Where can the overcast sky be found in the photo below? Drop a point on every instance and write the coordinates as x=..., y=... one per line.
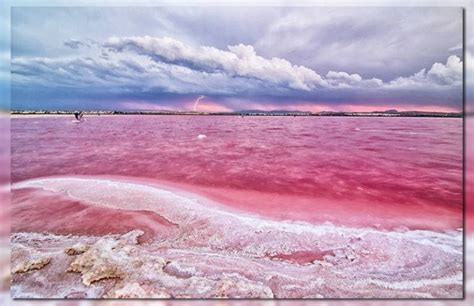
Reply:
x=237, y=58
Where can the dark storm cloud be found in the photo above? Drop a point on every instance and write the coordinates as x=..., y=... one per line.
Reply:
x=316, y=55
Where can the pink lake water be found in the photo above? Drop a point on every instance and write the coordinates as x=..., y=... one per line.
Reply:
x=384, y=172
x=290, y=206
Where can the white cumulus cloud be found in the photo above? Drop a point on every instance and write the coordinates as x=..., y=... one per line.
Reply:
x=449, y=74
x=239, y=60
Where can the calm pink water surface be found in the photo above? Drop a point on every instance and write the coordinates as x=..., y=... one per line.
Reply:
x=382, y=172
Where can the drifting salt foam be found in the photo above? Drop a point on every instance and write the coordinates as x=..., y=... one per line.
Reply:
x=123, y=195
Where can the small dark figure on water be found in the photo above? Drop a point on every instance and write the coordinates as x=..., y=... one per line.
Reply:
x=78, y=115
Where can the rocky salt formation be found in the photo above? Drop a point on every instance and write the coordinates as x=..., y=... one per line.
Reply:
x=215, y=253
x=116, y=266
x=32, y=264
x=76, y=249
x=104, y=258
x=26, y=260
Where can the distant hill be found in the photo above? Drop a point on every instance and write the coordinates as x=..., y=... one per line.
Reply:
x=280, y=111
x=389, y=111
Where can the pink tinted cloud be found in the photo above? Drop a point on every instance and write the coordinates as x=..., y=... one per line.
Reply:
x=182, y=105
x=207, y=105
x=148, y=106
x=349, y=107
x=424, y=108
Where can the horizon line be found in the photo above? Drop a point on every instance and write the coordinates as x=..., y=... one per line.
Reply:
x=282, y=113
x=388, y=111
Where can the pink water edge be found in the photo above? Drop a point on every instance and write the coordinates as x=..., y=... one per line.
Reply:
x=374, y=198
x=382, y=172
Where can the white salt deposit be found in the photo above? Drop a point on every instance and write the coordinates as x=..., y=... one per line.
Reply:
x=219, y=252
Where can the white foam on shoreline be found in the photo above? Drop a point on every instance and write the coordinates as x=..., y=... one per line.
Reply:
x=101, y=192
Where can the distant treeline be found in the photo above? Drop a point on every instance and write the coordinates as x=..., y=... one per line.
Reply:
x=390, y=113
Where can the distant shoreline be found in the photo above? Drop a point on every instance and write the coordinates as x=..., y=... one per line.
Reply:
x=252, y=113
